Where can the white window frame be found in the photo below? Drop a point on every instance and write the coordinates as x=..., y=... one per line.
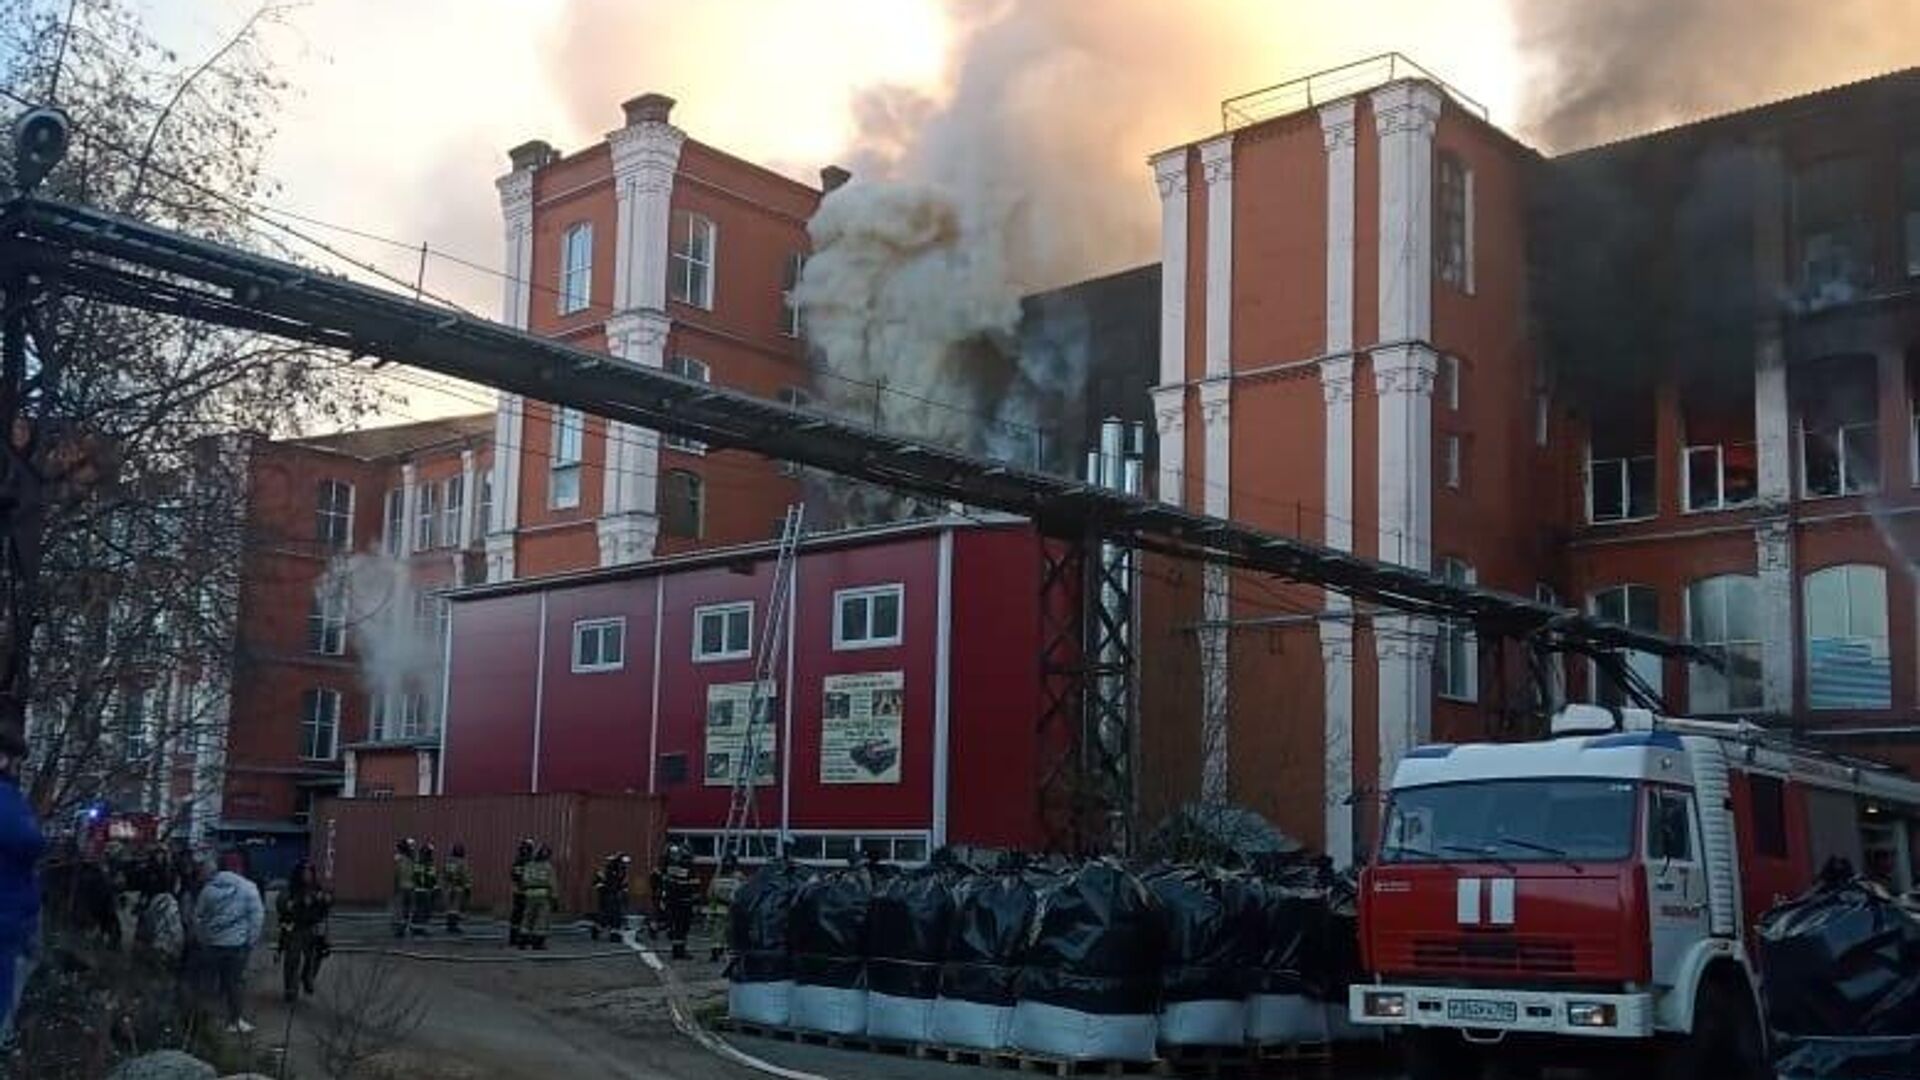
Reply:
x=393, y=530
x=1719, y=500
x=326, y=708
x=1450, y=372
x=483, y=505
x=683, y=262
x=599, y=627
x=1453, y=454
x=1699, y=675
x=867, y=594
x=576, y=267
x=1626, y=488
x=329, y=611
x=1456, y=631
x=416, y=719
x=699, y=371
x=1652, y=668
x=569, y=442
x=722, y=611
x=1441, y=161
x=1841, y=432
x=789, y=304
x=325, y=500
x=426, y=517
x=453, y=504
x=1885, y=641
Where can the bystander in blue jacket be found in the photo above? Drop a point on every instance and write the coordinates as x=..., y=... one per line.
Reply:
x=21, y=845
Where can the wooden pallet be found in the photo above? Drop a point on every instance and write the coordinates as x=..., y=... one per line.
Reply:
x=1026, y=1061
x=809, y=1037
x=1305, y=1053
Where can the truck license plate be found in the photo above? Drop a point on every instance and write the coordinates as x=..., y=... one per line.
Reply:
x=1475, y=1010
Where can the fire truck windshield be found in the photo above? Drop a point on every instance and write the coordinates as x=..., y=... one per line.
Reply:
x=1534, y=820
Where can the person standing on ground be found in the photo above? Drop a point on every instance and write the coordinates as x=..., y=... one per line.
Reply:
x=227, y=920
x=304, y=908
x=459, y=886
x=610, y=890
x=720, y=902
x=537, y=878
x=402, y=886
x=21, y=845
x=517, y=925
x=426, y=882
x=681, y=889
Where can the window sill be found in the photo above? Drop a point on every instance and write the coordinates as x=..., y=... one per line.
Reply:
x=722, y=658
x=1622, y=521
x=1811, y=496
x=1721, y=509
x=1469, y=699
x=691, y=449
x=871, y=643
x=597, y=669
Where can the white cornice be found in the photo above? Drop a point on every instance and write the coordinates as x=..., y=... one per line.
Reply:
x=1216, y=159
x=1406, y=107
x=646, y=154
x=516, y=196
x=1337, y=124
x=1170, y=172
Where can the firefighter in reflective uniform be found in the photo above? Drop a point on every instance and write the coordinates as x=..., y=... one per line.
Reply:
x=680, y=895
x=720, y=903
x=610, y=892
x=537, y=878
x=426, y=881
x=402, y=886
x=459, y=882
x=517, y=924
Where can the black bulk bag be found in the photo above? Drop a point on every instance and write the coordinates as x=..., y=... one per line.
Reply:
x=1842, y=970
x=827, y=929
x=1212, y=932
x=1096, y=944
x=757, y=922
x=986, y=934
x=908, y=923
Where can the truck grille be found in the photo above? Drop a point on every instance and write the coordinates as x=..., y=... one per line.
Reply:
x=1493, y=955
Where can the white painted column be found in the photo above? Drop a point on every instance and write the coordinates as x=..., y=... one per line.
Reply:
x=1773, y=436
x=1170, y=176
x=410, y=508
x=350, y=773
x=1336, y=390
x=1404, y=365
x=516, y=209
x=1216, y=163
x=1773, y=558
x=423, y=772
x=646, y=154
x=1216, y=390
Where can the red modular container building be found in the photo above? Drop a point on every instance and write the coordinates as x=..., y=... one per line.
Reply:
x=904, y=709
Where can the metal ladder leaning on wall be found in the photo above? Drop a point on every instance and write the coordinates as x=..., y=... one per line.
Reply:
x=736, y=837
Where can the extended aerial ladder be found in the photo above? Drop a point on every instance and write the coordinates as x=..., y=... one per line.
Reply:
x=742, y=825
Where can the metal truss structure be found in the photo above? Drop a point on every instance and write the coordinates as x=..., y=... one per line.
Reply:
x=65, y=249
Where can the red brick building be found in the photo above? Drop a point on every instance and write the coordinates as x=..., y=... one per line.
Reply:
x=1669, y=381
x=669, y=253
x=350, y=538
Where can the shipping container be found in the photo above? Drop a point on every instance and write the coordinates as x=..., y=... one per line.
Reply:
x=353, y=840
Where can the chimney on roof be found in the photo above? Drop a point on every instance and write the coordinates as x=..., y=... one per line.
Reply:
x=648, y=109
x=531, y=154
x=832, y=177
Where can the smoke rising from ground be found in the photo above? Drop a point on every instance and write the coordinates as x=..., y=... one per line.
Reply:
x=1606, y=69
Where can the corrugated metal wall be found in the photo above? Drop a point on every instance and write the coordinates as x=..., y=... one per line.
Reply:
x=353, y=839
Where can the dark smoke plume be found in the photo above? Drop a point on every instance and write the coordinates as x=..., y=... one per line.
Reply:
x=1604, y=69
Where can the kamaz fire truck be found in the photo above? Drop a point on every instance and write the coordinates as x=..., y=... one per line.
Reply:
x=1600, y=888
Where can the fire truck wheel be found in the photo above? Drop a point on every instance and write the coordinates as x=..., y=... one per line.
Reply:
x=1726, y=1039
x=1439, y=1055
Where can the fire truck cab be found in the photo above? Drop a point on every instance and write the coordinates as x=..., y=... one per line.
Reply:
x=1601, y=886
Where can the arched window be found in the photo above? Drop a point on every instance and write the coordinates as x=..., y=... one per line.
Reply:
x=1638, y=607
x=1724, y=612
x=683, y=499
x=1848, y=663
x=576, y=268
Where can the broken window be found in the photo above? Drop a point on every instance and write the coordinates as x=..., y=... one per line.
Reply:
x=682, y=504
x=1456, y=659
x=1837, y=404
x=1453, y=219
x=1832, y=229
x=1620, y=467
x=697, y=370
x=1721, y=468
x=789, y=299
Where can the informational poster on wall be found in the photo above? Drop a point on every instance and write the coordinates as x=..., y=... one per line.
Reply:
x=860, y=728
x=727, y=705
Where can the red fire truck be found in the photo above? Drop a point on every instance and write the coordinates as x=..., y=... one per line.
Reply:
x=1600, y=889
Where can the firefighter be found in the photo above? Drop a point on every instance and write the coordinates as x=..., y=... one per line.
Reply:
x=459, y=881
x=303, y=910
x=610, y=891
x=402, y=886
x=680, y=886
x=537, y=879
x=720, y=902
x=516, y=925
x=426, y=881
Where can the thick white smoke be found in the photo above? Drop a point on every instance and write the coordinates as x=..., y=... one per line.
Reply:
x=395, y=637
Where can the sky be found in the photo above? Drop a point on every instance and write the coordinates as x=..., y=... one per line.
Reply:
x=398, y=115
